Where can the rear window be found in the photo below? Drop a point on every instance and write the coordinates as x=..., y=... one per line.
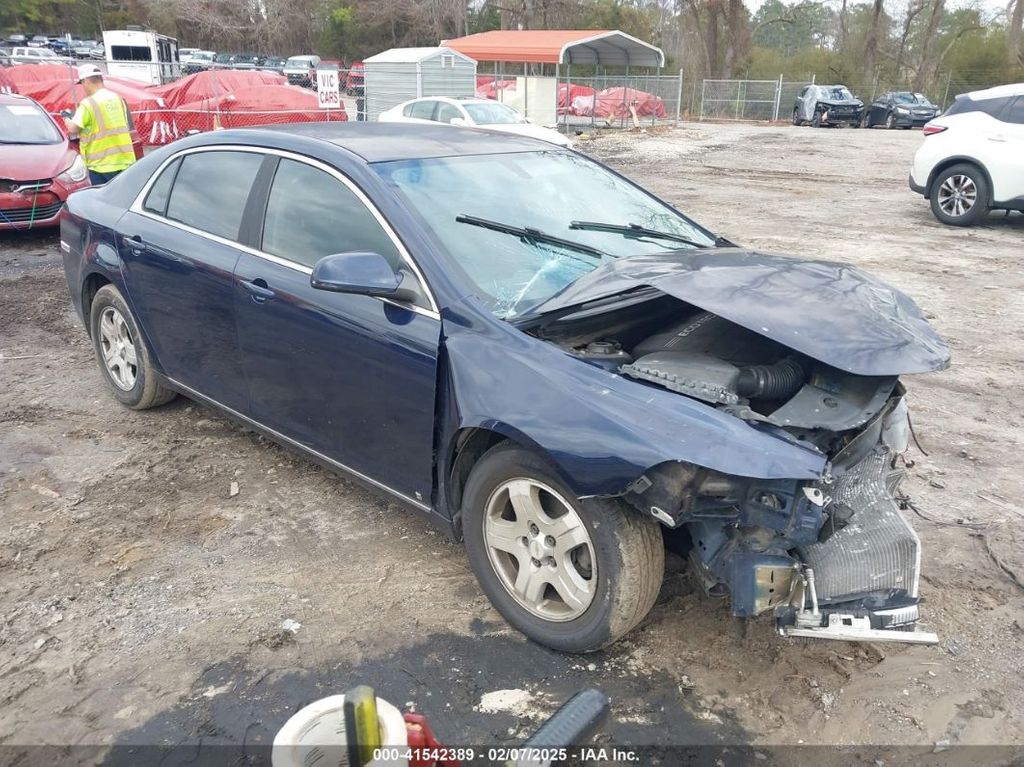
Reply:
x=1014, y=113
x=131, y=53
x=211, y=190
x=991, y=107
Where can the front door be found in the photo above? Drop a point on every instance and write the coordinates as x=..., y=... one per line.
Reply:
x=351, y=377
x=179, y=256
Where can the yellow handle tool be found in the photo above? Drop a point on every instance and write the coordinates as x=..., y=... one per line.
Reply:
x=362, y=726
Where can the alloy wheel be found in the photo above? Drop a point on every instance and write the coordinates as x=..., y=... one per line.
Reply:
x=118, y=348
x=957, y=195
x=540, y=549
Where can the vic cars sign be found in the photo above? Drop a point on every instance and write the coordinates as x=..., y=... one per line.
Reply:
x=328, y=94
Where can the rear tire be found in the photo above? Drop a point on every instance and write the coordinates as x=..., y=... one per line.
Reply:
x=612, y=556
x=865, y=120
x=122, y=354
x=959, y=195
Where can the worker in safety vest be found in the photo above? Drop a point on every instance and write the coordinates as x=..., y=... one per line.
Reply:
x=103, y=126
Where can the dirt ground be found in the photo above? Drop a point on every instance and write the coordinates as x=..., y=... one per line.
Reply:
x=141, y=602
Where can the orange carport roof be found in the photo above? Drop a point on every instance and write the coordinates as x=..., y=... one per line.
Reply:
x=559, y=46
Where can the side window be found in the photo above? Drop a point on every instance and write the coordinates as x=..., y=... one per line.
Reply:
x=310, y=214
x=156, y=200
x=446, y=111
x=211, y=189
x=424, y=110
x=1014, y=113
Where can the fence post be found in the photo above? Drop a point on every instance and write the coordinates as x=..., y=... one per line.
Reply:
x=778, y=98
x=945, y=97
x=703, y=91
x=679, y=97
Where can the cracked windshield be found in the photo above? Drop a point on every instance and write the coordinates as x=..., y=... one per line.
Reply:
x=521, y=227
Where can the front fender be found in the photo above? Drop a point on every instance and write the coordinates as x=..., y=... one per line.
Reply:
x=601, y=431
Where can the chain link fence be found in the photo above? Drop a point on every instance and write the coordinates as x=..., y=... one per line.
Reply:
x=775, y=100
x=586, y=103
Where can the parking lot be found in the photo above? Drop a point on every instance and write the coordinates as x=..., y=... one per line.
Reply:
x=148, y=559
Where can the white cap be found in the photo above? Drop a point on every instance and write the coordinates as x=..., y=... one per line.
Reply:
x=89, y=70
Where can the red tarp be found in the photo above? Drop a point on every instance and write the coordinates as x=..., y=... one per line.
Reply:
x=255, y=105
x=213, y=84
x=12, y=78
x=489, y=89
x=568, y=93
x=615, y=103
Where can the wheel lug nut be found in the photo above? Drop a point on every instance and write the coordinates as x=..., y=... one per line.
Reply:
x=550, y=541
x=535, y=562
x=525, y=541
x=534, y=529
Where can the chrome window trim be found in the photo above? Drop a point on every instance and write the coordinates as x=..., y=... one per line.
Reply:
x=136, y=207
x=298, y=445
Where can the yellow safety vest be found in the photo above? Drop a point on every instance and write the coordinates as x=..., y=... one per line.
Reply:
x=105, y=141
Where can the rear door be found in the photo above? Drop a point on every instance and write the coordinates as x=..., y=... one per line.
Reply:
x=179, y=247
x=350, y=377
x=1006, y=166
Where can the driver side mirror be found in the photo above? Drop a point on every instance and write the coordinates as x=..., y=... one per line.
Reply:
x=364, y=274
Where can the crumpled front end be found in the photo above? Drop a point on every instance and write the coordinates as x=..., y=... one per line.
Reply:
x=833, y=559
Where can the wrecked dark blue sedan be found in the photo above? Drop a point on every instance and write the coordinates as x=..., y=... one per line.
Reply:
x=554, y=365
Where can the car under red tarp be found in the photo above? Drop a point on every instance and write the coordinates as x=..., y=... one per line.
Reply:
x=616, y=102
x=254, y=105
x=212, y=84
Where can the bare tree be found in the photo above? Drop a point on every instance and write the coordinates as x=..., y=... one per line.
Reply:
x=1014, y=52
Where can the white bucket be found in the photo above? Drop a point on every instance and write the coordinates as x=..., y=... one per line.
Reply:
x=315, y=735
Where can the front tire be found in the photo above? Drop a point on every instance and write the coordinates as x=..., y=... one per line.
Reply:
x=122, y=354
x=572, y=575
x=865, y=120
x=816, y=120
x=890, y=121
x=959, y=195
x=796, y=117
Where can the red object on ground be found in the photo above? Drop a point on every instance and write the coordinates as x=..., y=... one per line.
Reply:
x=421, y=738
x=212, y=84
x=568, y=93
x=255, y=105
x=490, y=89
x=615, y=103
x=31, y=192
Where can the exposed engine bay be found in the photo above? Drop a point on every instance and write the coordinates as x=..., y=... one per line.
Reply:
x=834, y=557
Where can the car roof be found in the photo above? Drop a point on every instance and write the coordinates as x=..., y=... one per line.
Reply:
x=1000, y=91
x=382, y=142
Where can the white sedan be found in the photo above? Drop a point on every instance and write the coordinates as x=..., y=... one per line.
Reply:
x=472, y=113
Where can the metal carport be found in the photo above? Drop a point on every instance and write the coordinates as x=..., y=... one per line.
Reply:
x=559, y=48
x=610, y=48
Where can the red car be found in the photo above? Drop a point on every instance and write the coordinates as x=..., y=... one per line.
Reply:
x=39, y=166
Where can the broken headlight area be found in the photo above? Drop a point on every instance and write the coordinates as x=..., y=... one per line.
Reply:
x=833, y=558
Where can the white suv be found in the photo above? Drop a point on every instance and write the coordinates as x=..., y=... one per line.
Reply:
x=972, y=159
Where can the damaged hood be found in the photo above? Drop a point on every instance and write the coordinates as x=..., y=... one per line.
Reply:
x=831, y=312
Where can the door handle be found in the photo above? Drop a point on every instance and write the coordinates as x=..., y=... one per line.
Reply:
x=259, y=290
x=998, y=137
x=135, y=243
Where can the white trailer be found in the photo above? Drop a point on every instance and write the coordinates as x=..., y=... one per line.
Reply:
x=142, y=55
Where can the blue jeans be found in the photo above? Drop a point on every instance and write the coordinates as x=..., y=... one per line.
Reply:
x=99, y=179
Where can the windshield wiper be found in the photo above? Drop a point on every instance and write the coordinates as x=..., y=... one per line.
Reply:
x=633, y=230
x=529, y=234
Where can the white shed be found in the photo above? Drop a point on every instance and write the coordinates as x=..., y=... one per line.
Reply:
x=401, y=74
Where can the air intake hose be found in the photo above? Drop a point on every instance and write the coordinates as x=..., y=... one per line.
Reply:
x=778, y=381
